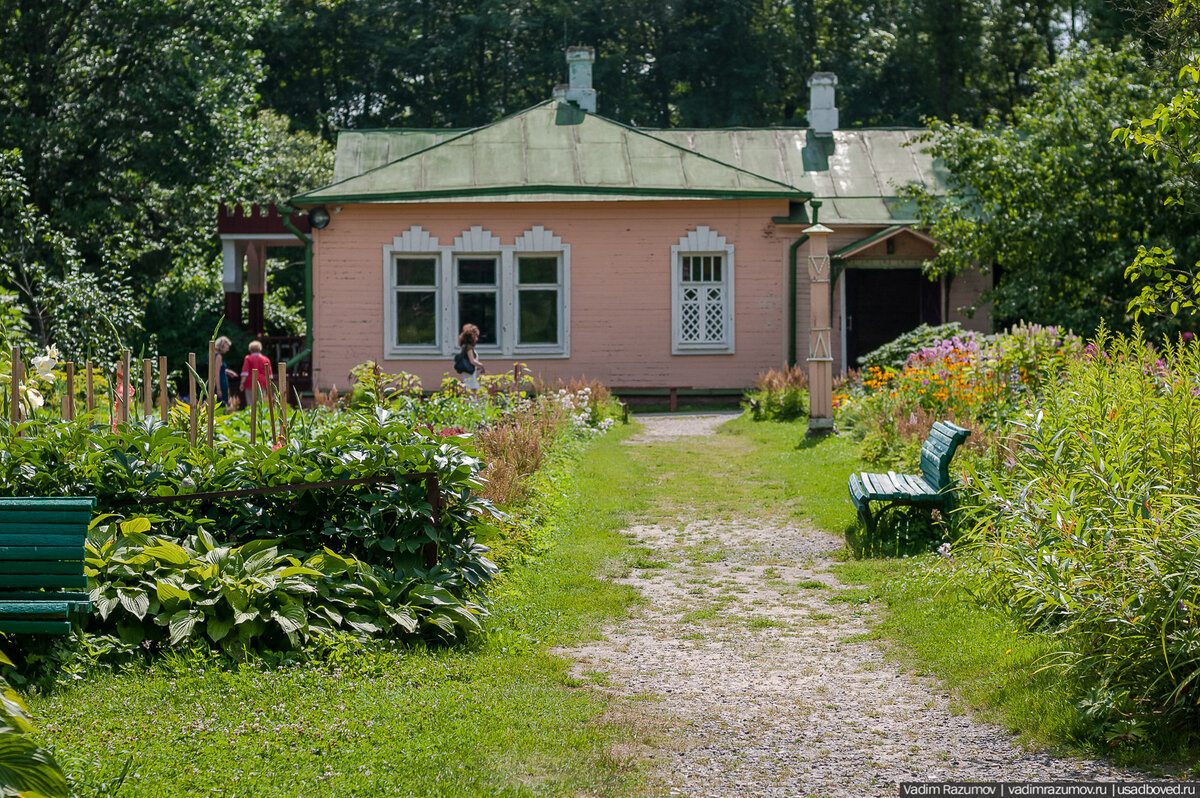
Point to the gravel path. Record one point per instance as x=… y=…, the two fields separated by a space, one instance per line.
x=749 y=671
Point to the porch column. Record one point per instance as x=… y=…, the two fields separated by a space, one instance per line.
x=256 y=265
x=820 y=357
x=233 y=278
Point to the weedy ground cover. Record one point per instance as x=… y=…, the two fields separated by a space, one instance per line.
x=368 y=718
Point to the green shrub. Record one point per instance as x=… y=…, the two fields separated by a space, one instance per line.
x=1085 y=526
x=387 y=523
x=894 y=354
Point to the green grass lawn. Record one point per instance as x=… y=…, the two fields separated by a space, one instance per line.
x=500 y=718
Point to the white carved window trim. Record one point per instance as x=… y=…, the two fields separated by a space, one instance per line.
x=540 y=242
x=476 y=241
x=479 y=243
x=414 y=242
x=700 y=242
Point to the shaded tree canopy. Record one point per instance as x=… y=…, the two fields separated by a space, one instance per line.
x=435 y=63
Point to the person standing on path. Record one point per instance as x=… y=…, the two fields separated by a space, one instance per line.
x=466 y=362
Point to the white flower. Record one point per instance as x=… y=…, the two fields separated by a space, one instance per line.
x=34 y=398
x=44 y=365
x=944 y=549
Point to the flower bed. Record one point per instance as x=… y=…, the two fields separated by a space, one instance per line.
x=975 y=381
x=187 y=546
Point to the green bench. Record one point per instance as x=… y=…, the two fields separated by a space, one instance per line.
x=932 y=487
x=42 y=584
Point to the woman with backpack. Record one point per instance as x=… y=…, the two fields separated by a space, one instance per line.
x=466 y=363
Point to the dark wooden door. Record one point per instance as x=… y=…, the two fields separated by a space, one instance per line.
x=884 y=303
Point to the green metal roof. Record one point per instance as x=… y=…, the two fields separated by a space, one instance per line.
x=855 y=173
x=549 y=151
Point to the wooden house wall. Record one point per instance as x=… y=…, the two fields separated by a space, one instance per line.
x=620 y=287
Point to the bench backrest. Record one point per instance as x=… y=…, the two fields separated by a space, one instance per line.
x=41 y=542
x=944 y=439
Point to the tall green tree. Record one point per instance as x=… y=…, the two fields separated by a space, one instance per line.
x=124 y=111
x=1055 y=207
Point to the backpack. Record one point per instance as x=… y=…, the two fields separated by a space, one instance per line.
x=462 y=364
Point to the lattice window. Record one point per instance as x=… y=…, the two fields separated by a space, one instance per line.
x=702 y=309
x=702 y=288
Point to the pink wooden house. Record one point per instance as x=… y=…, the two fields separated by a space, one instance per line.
x=649 y=259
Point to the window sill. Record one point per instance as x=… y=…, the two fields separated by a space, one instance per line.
x=701 y=349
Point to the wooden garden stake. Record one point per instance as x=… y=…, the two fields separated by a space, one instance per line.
x=271 y=409
x=283 y=399
x=69 y=405
x=212 y=387
x=162 y=388
x=14 y=406
x=193 y=402
x=91 y=387
x=147 y=394
x=126 y=393
x=253 y=406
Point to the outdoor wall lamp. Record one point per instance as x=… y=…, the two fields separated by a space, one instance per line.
x=318 y=218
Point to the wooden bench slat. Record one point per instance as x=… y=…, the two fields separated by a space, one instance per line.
x=30 y=516
x=74 y=596
x=42 y=580
x=50 y=552
x=49 y=528
x=18 y=541
x=35 y=627
x=858 y=493
x=872 y=488
x=9 y=609
x=40 y=567
x=48 y=502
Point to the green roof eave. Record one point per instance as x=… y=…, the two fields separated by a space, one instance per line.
x=636 y=193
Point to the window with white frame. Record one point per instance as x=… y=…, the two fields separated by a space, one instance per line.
x=518 y=294
x=477 y=301
x=702 y=294
x=414 y=297
x=539 y=301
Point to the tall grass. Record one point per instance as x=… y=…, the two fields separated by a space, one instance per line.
x=779 y=395
x=1084 y=526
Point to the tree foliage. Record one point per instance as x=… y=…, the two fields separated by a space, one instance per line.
x=84 y=313
x=1169 y=278
x=389 y=63
x=1051 y=202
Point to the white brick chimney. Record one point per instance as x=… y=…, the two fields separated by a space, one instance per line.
x=578 y=90
x=822 y=113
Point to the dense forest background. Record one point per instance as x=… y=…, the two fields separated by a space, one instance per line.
x=124 y=122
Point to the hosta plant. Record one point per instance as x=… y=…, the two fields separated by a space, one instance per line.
x=154 y=591
x=25 y=768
